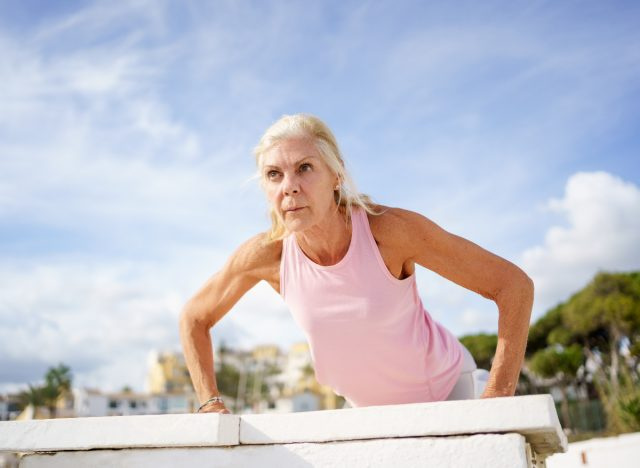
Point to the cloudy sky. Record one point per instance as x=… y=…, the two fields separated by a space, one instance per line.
x=126 y=131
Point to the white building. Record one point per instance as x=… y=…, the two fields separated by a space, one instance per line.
x=94 y=403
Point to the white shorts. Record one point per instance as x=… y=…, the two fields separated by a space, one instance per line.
x=472 y=380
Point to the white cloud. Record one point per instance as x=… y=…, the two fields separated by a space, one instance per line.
x=103 y=319
x=602 y=233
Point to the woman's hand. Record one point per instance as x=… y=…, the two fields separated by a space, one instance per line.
x=215 y=407
x=492 y=393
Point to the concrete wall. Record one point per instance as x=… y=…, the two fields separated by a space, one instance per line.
x=501 y=432
x=478 y=451
x=618 y=452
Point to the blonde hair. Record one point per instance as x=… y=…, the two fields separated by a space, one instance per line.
x=309 y=126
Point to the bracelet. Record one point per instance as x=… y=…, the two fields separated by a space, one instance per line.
x=210 y=400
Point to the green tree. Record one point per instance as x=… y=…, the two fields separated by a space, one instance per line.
x=227 y=378
x=603 y=319
x=560 y=364
x=606 y=313
x=57 y=383
x=32 y=396
x=482 y=347
x=546 y=330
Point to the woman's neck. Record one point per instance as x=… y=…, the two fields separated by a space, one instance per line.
x=328 y=242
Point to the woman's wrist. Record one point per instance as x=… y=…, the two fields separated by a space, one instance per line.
x=213 y=399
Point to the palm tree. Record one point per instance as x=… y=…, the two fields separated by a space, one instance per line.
x=57 y=383
x=34 y=396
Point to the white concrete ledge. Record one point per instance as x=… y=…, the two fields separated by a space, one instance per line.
x=532 y=417
x=177 y=430
x=479 y=451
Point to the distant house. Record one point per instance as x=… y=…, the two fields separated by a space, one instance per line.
x=95 y=403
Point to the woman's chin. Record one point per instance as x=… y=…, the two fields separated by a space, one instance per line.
x=297 y=223
x=295 y=226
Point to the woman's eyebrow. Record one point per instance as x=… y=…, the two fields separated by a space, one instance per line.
x=272 y=166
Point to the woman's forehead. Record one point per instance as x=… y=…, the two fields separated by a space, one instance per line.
x=290 y=151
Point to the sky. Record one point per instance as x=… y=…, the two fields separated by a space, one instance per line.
x=126 y=171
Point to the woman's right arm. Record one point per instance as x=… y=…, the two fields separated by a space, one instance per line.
x=255 y=260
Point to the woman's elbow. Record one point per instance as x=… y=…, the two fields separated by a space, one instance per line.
x=519 y=284
x=528 y=287
x=191 y=318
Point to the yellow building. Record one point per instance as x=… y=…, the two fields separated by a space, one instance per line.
x=300 y=358
x=266 y=353
x=168 y=373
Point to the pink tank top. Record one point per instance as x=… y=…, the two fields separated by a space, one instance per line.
x=370 y=337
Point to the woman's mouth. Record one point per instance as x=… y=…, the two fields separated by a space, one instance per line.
x=293 y=210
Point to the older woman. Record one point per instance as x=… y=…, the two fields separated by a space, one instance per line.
x=345 y=267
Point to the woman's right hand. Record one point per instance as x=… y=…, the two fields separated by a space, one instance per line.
x=215 y=407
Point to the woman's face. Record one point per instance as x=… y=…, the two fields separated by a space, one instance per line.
x=298 y=183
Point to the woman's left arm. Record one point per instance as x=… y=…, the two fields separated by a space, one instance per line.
x=489 y=275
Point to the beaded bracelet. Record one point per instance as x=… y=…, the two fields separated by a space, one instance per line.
x=210 y=400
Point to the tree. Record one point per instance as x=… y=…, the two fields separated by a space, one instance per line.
x=227 y=378
x=57 y=383
x=605 y=313
x=546 y=327
x=560 y=364
x=32 y=396
x=603 y=321
x=482 y=347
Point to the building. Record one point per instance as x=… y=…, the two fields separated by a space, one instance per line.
x=300 y=379
x=88 y=402
x=168 y=373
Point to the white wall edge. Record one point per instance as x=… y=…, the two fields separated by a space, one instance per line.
x=532 y=416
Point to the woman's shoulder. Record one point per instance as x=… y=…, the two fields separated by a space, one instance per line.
x=396 y=224
x=257 y=255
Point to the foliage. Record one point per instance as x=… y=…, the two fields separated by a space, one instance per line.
x=557 y=361
x=482 y=347
x=32 y=396
x=593 y=340
x=629 y=410
x=227 y=378
x=57 y=382
x=544 y=326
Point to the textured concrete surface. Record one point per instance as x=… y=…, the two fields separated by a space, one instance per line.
x=494 y=432
x=178 y=430
x=479 y=451
x=619 y=452
x=533 y=416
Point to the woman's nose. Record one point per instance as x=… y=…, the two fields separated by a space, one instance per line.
x=290 y=185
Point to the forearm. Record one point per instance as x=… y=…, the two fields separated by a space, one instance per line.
x=198 y=353
x=514 y=305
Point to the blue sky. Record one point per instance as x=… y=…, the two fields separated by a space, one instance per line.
x=126 y=132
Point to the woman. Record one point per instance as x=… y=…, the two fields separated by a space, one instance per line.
x=345 y=267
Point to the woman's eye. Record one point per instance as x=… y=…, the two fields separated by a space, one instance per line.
x=305 y=167
x=272 y=174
